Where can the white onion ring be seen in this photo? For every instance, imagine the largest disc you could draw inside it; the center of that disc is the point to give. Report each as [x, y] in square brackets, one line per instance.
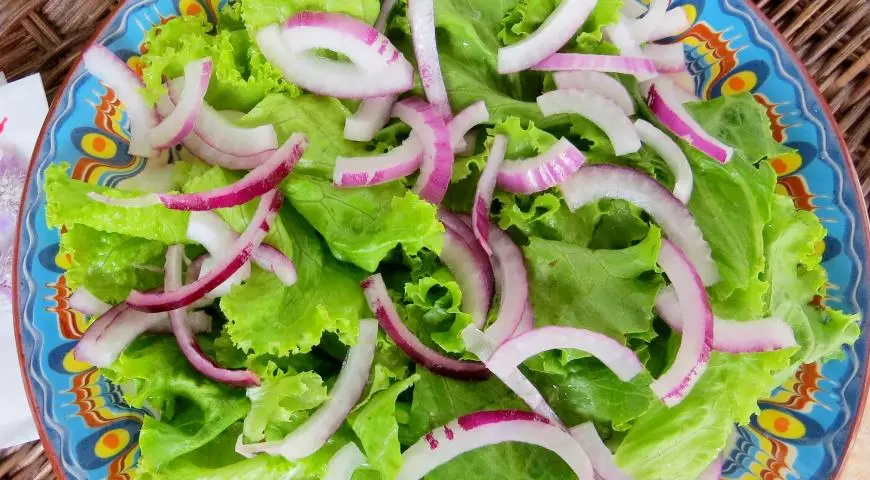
[642, 28]
[599, 83]
[537, 174]
[485, 189]
[437, 165]
[599, 110]
[569, 62]
[662, 144]
[178, 124]
[345, 461]
[470, 265]
[600, 456]
[421, 15]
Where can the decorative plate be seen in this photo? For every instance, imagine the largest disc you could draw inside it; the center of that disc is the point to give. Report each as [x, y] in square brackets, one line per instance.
[804, 428]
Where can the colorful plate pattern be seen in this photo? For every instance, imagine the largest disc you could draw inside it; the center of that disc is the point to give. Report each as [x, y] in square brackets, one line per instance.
[804, 428]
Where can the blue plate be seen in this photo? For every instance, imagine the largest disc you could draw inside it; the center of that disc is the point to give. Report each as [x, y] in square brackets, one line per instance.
[804, 428]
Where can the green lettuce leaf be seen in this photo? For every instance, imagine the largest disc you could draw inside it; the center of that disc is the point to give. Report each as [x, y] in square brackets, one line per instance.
[281, 402]
[109, 265]
[432, 309]
[67, 203]
[259, 13]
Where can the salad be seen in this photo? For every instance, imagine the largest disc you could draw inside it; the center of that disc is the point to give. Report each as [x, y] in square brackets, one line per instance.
[452, 239]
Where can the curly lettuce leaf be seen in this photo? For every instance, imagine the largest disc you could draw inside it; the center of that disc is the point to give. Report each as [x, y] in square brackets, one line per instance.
[281, 402]
[267, 317]
[527, 16]
[260, 13]
[191, 409]
[678, 443]
[67, 203]
[241, 76]
[110, 265]
[432, 308]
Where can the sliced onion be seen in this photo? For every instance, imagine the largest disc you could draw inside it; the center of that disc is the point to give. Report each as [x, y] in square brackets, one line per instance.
[667, 106]
[633, 9]
[595, 182]
[485, 189]
[512, 282]
[642, 28]
[421, 15]
[184, 336]
[368, 49]
[481, 345]
[597, 82]
[685, 83]
[327, 77]
[668, 58]
[384, 15]
[257, 182]
[697, 339]
[383, 308]
[481, 429]
[371, 116]
[662, 144]
[429, 127]
[114, 330]
[227, 264]
[470, 141]
[731, 336]
[218, 131]
[545, 171]
[714, 471]
[527, 323]
[559, 28]
[345, 461]
[673, 23]
[172, 130]
[86, 302]
[462, 123]
[393, 165]
[470, 265]
[210, 231]
[115, 74]
[599, 110]
[618, 358]
[600, 456]
[319, 428]
[558, 62]
[207, 152]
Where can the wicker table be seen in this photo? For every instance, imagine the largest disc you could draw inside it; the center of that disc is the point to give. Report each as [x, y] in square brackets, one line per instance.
[832, 37]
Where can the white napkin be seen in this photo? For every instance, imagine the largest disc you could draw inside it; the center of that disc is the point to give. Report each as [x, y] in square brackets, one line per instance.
[23, 108]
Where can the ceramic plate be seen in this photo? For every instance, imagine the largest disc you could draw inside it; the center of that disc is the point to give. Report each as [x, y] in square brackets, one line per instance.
[804, 428]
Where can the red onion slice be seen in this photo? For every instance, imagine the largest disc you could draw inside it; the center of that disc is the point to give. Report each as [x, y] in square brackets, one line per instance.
[384, 15]
[599, 83]
[642, 28]
[86, 302]
[481, 429]
[667, 105]
[367, 48]
[731, 336]
[327, 77]
[600, 456]
[545, 171]
[620, 35]
[257, 182]
[673, 23]
[512, 282]
[485, 189]
[319, 428]
[172, 130]
[559, 28]
[227, 264]
[617, 357]
[345, 461]
[697, 342]
[393, 165]
[421, 15]
[470, 266]
[595, 182]
[462, 123]
[631, 65]
[668, 58]
[371, 116]
[210, 231]
[383, 308]
[208, 152]
[115, 74]
[184, 336]
[218, 131]
[527, 322]
[714, 471]
[114, 330]
[599, 110]
[662, 144]
[437, 165]
[481, 345]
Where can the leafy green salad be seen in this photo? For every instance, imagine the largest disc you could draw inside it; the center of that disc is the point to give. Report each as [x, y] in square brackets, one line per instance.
[443, 240]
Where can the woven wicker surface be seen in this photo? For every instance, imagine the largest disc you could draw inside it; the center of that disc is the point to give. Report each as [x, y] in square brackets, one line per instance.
[831, 36]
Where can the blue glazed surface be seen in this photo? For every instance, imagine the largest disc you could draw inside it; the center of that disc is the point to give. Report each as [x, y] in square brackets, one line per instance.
[805, 425]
